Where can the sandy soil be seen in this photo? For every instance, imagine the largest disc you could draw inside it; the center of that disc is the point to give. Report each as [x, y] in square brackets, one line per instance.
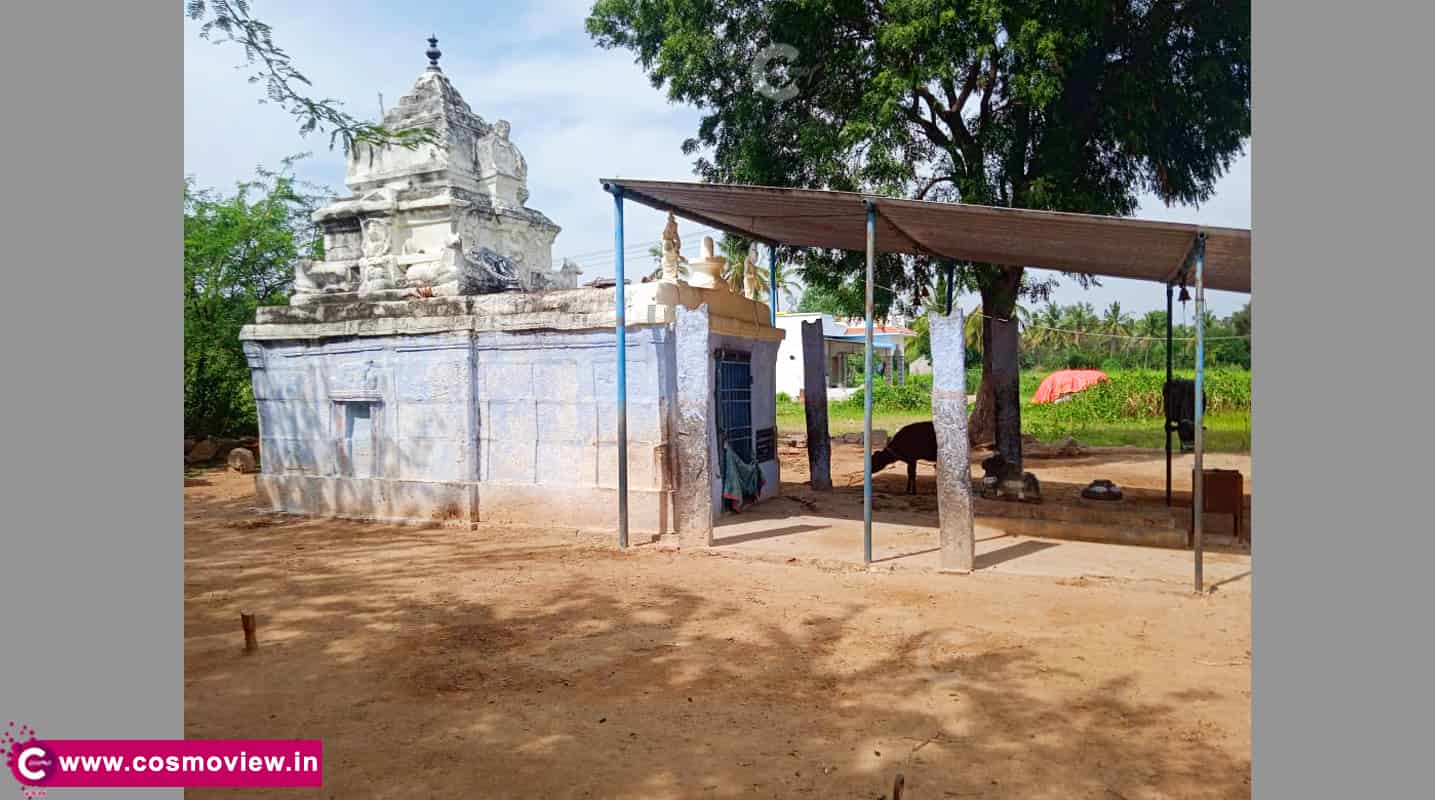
[543, 663]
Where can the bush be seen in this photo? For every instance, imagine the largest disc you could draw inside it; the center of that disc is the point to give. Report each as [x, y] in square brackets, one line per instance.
[1129, 395]
[1137, 394]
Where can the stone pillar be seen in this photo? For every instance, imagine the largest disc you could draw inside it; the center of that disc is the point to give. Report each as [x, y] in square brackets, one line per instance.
[949, 418]
[692, 497]
[814, 393]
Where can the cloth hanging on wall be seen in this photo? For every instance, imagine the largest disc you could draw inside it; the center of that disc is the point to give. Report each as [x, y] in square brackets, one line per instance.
[742, 480]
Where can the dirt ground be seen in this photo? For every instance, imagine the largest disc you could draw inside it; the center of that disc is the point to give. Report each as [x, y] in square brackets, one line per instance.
[510, 662]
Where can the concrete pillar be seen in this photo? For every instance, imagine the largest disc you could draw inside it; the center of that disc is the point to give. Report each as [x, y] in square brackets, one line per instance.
[692, 497]
[814, 382]
[949, 418]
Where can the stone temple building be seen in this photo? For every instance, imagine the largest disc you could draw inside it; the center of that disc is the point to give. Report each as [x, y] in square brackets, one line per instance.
[434, 367]
[417, 216]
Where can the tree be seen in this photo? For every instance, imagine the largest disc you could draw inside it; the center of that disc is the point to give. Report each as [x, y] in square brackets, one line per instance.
[239, 252]
[1117, 325]
[735, 250]
[1241, 321]
[656, 253]
[819, 299]
[1044, 104]
[232, 22]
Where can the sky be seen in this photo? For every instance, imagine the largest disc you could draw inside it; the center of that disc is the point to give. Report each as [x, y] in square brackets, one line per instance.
[579, 114]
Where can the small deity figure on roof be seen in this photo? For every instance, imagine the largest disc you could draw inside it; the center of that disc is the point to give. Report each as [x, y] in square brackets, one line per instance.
[672, 250]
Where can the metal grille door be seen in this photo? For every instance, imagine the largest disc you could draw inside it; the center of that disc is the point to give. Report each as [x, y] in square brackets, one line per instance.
[734, 403]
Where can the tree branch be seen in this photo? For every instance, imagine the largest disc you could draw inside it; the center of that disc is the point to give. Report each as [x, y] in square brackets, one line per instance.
[922, 193]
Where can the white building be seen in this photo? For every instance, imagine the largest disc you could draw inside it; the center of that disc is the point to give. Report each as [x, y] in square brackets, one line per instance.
[840, 339]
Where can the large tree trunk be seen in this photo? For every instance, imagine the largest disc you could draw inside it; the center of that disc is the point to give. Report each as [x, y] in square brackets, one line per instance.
[982, 429]
[996, 416]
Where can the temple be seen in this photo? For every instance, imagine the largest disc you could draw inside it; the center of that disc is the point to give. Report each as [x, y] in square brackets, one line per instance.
[441, 219]
[435, 368]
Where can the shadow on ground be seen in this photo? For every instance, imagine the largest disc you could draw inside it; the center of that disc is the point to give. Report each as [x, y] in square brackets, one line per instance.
[442, 663]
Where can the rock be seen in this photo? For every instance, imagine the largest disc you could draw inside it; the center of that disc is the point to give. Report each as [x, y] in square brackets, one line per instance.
[852, 438]
[1102, 489]
[242, 460]
[1070, 447]
[1030, 487]
[879, 438]
[203, 451]
[189, 445]
[223, 446]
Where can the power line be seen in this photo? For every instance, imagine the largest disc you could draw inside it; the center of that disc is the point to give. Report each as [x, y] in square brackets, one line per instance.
[1110, 335]
[632, 248]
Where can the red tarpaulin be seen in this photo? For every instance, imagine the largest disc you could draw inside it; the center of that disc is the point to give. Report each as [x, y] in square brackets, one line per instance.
[1067, 381]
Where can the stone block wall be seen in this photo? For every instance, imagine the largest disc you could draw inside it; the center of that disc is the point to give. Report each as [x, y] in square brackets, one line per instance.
[464, 426]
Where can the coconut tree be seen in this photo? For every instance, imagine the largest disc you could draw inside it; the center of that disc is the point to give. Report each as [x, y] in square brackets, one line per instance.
[656, 253]
[735, 251]
[1045, 329]
[1080, 319]
[1117, 325]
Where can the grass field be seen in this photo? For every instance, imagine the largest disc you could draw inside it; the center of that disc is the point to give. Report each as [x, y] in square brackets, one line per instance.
[1225, 433]
[1124, 413]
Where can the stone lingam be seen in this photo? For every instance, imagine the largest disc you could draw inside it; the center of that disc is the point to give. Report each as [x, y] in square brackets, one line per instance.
[440, 220]
[706, 272]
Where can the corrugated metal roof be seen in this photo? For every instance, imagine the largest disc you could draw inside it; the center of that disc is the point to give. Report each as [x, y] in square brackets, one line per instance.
[1111, 246]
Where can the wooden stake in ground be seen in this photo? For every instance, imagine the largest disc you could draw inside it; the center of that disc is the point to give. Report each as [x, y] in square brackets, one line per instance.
[897, 787]
[251, 638]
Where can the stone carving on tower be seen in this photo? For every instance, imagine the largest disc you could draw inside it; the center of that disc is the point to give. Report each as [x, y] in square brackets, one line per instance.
[441, 219]
[673, 260]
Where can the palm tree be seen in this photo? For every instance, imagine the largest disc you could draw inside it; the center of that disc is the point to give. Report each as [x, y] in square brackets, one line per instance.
[1046, 324]
[1079, 318]
[656, 253]
[1117, 325]
[1152, 326]
[972, 327]
[736, 252]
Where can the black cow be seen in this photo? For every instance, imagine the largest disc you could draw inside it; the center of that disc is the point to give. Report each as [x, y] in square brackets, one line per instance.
[913, 443]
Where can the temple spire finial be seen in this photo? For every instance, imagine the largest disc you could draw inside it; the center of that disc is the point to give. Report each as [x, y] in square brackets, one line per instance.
[433, 53]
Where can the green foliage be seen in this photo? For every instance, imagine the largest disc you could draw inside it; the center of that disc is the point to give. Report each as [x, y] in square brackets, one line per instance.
[1129, 395]
[830, 301]
[1134, 396]
[230, 21]
[1126, 411]
[239, 251]
[1076, 337]
[1026, 103]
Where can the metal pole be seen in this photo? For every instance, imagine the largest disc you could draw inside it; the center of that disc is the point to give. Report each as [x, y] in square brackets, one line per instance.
[772, 282]
[622, 362]
[1166, 423]
[1199, 479]
[867, 399]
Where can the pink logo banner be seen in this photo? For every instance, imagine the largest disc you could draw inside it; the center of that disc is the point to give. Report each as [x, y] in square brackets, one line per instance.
[157, 763]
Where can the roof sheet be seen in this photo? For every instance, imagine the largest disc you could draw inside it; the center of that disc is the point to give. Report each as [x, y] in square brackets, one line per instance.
[1092, 244]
